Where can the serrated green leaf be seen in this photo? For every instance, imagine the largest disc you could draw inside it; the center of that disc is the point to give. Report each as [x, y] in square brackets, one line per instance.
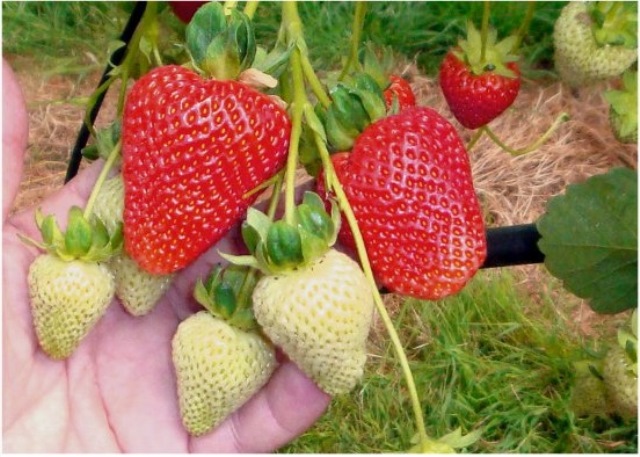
[589, 238]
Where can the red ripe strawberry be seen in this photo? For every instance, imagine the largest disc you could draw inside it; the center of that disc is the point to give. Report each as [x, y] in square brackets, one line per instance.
[400, 89]
[475, 100]
[408, 180]
[185, 9]
[192, 148]
[477, 85]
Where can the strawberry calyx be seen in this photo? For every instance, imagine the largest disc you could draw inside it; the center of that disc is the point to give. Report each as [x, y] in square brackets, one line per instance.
[280, 246]
[221, 43]
[226, 294]
[377, 63]
[496, 55]
[356, 103]
[86, 239]
[614, 23]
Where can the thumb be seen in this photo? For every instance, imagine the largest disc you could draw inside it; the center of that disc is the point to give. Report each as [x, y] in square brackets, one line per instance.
[15, 132]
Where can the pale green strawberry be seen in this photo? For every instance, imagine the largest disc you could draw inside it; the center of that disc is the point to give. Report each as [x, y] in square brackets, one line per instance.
[138, 290]
[320, 315]
[70, 287]
[218, 368]
[588, 396]
[589, 50]
[313, 301]
[621, 383]
[109, 203]
[620, 371]
[67, 299]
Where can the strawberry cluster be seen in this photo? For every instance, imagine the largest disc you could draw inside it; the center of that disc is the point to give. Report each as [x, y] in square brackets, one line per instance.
[394, 205]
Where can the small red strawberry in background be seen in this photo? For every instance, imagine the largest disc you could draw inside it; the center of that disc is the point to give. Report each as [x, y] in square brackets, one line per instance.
[401, 90]
[479, 86]
[409, 183]
[185, 9]
[193, 148]
[379, 64]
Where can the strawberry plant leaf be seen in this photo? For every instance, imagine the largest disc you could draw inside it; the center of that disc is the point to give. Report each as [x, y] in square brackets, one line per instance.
[589, 238]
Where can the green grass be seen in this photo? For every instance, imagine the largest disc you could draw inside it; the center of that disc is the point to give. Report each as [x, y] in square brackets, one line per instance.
[480, 362]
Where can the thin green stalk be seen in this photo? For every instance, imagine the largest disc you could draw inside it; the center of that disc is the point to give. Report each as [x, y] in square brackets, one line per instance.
[356, 36]
[344, 205]
[484, 31]
[250, 8]
[113, 155]
[524, 27]
[294, 28]
[533, 146]
[314, 82]
[474, 139]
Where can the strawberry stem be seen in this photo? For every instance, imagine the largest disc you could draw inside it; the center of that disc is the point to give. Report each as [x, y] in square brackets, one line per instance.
[333, 183]
[356, 34]
[250, 8]
[113, 156]
[294, 32]
[563, 117]
[524, 27]
[484, 31]
[474, 139]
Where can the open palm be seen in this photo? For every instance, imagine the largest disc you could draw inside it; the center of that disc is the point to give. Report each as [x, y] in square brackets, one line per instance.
[117, 392]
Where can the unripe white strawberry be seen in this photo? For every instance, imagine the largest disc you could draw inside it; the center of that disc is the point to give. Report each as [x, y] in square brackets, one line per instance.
[109, 204]
[218, 368]
[579, 58]
[137, 289]
[67, 299]
[320, 315]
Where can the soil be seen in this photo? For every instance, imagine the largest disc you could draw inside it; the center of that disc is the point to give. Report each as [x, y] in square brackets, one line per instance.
[513, 190]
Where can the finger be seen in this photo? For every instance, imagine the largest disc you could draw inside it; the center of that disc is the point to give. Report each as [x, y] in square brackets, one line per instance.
[15, 132]
[288, 405]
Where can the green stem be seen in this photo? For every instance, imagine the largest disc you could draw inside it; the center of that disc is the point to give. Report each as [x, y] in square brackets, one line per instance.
[250, 8]
[484, 31]
[533, 146]
[294, 32]
[524, 27]
[356, 36]
[343, 202]
[474, 139]
[113, 155]
[314, 82]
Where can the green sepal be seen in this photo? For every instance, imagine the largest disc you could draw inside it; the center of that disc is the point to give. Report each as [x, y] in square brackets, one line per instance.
[226, 294]
[83, 239]
[78, 238]
[356, 103]
[221, 45]
[496, 55]
[377, 63]
[313, 219]
[287, 246]
[106, 141]
[255, 228]
[283, 246]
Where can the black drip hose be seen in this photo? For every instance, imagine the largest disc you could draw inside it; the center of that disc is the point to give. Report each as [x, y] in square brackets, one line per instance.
[506, 246]
[114, 61]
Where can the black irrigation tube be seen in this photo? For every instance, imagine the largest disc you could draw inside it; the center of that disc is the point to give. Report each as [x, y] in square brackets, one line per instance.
[506, 246]
[114, 61]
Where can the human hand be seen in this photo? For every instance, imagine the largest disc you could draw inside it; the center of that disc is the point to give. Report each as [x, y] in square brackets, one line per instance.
[117, 392]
